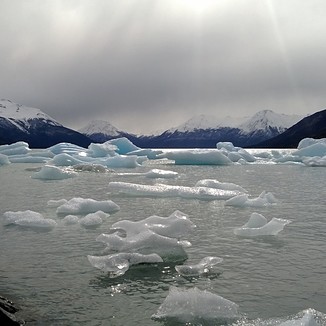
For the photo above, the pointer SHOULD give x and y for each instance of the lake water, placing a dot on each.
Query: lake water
(271, 278)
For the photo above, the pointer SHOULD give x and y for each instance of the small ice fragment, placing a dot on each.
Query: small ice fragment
(50, 172)
(93, 219)
(211, 183)
(243, 200)
(204, 266)
(71, 219)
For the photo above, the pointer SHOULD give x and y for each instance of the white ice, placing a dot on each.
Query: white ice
(163, 190)
(50, 172)
(90, 167)
(258, 226)
(176, 225)
(70, 219)
(18, 148)
(203, 267)
(28, 218)
(158, 173)
(315, 161)
(194, 305)
(197, 157)
(118, 264)
(102, 150)
(67, 148)
(124, 145)
(81, 206)
(243, 200)
(4, 160)
(212, 183)
(307, 320)
(235, 154)
(93, 219)
(124, 161)
(151, 154)
(146, 242)
(56, 203)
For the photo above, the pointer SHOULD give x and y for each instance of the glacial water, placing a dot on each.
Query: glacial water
(272, 279)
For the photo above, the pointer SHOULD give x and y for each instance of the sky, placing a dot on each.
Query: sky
(149, 65)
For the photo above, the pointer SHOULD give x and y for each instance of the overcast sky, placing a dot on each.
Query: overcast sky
(147, 65)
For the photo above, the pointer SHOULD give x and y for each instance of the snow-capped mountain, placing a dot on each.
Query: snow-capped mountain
(206, 131)
(100, 131)
(22, 123)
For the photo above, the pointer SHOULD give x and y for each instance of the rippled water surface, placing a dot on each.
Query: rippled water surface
(49, 276)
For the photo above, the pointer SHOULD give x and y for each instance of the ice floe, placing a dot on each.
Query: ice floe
(29, 219)
(50, 172)
(4, 160)
(124, 145)
(196, 306)
(243, 200)
(235, 154)
(203, 267)
(117, 264)
(212, 183)
(177, 225)
(93, 219)
(81, 206)
(257, 225)
(163, 190)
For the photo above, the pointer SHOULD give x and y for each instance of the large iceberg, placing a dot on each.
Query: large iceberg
(81, 206)
(257, 225)
(196, 306)
(203, 267)
(163, 190)
(118, 264)
(243, 200)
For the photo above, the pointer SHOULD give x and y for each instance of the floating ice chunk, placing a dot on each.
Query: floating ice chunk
(81, 206)
(4, 160)
(56, 203)
(243, 200)
(194, 306)
(163, 190)
(66, 148)
(146, 242)
(65, 159)
(18, 148)
(317, 149)
(151, 154)
(102, 150)
(123, 161)
(211, 183)
(70, 219)
(235, 154)
(90, 167)
(204, 266)
(315, 161)
(28, 219)
(50, 172)
(258, 226)
(124, 145)
(197, 157)
(157, 173)
(118, 264)
(307, 320)
(306, 142)
(175, 226)
(93, 219)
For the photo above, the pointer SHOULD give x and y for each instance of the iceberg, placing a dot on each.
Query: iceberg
(197, 157)
(163, 190)
(93, 219)
(315, 161)
(124, 161)
(118, 264)
(258, 226)
(174, 226)
(212, 183)
(243, 200)
(151, 154)
(196, 306)
(81, 206)
(102, 150)
(70, 219)
(90, 167)
(64, 159)
(28, 218)
(66, 148)
(123, 145)
(146, 242)
(18, 148)
(235, 154)
(4, 160)
(203, 267)
(50, 172)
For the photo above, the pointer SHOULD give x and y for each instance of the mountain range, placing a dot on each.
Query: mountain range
(264, 129)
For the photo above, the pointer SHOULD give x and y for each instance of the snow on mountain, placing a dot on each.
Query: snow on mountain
(21, 116)
(267, 119)
(262, 120)
(99, 127)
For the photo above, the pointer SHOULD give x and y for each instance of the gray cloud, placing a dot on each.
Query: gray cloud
(146, 65)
